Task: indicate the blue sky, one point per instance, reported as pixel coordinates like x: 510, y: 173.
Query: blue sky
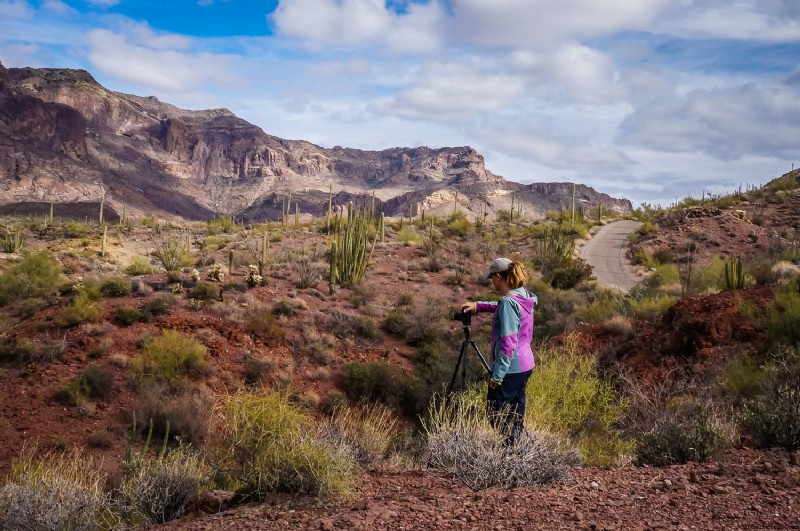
x: 646, y: 99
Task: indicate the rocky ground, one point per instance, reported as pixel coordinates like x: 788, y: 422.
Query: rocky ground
x: 744, y: 489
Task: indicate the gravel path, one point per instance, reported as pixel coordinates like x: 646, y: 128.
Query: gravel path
x: 744, y: 490
x: 605, y: 252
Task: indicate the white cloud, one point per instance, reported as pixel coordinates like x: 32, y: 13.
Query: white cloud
x: 57, y: 6
x: 20, y: 55
x: 158, y: 68
x: 727, y: 123
x: 765, y: 20
x: 321, y: 23
x: 453, y: 92
x: 104, y: 3
x: 15, y: 9
x: 540, y: 23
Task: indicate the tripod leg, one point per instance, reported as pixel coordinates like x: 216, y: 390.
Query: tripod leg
x: 458, y: 364
x: 480, y: 356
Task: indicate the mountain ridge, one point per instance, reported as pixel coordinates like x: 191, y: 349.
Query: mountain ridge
x: 152, y: 156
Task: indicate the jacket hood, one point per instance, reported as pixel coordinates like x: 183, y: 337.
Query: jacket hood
x: 526, y: 299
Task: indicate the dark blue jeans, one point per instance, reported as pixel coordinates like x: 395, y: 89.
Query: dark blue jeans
x: 505, y: 406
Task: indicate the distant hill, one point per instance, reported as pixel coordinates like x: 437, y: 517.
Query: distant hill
x: 67, y: 139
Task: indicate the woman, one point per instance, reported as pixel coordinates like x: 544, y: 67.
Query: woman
x: 511, y: 357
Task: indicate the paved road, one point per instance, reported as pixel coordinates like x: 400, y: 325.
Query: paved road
x: 605, y: 252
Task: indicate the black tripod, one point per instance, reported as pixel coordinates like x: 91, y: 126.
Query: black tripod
x: 466, y: 320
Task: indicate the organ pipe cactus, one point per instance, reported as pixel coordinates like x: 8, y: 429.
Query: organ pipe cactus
x: 333, y: 274
x: 734, y: 273
x: 352, y: 240
x: 14, y: 242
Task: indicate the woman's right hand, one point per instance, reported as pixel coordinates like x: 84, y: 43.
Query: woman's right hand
x: 469, y: 307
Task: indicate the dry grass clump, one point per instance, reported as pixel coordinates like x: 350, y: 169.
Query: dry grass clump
x: 59, y: 491
x: 620, y: 325
x: 184, y: 410
x: 460, y: 440
x: 156, y: 490
x: 266, y: 443
x: 365, y: 432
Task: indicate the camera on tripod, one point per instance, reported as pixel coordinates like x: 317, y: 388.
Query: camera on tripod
x: 464, y: 317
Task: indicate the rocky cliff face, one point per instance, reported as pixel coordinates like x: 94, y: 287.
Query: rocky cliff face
x: 67, y: 138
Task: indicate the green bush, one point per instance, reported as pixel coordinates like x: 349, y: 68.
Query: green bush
x: 366, y: 327
x: 604, y: 306
x: 127, y: 315
x: 408, y: 236
x: 37, y: 275
x: 570, y: 273
x: 97, y: 381
x: 267, y: 444
x: 116, y: 287
x: 204, y: 291
x: 75, y: 229
x: 139, y: 266
x: 363, y: 293
x: 664, y: 275
x: 379, y: 381
x: 782, y: 317
x: 265, y: 326
x: 689, y: 431
x: 743, y: 378
x: 650, y: 306
x: 567, y: 396
x: 157, y: 306
x: 772, y: 416
x: 84, y: 308
x: 169, y: 357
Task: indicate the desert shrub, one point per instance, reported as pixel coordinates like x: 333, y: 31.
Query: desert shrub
x: 266, y: 443
x: 408, y: 236
x: 641, y: 256
x: 100, y: 439
x: 36, y: 275
x: 664, y: 255
x: 126, y: 315
x: 460, y: 440
x: 709, y: 278
x: 75, y: 229
x: 215, y: 273
x: 379, y: 381
x: 309, y: 267
x: 265, y: 326
x: 363, y: 293
x: 172, y: 251
x: 116, y: 287
x: 149, y: 221
x: 664, y: 275
x: 366, y: 327
x: 255, y: 369
x: 567, y: 396
x: 333, y: 401
x: 405, y: 299
x: 604, y: 306
x: 139, y: 266
x: 177, y: 411
x: 427, y: 320
x: 459, y: 227
x: 59, y: 491
x: 743, y: 377
x: 84, y: 308
x: 570, y: 273
x: 22, y: 350
x: 157, y: 306
x: 97, y: 381
x: 620, y: 325
x: 70, y: 393
x: 781, y: 319
x: 688, y: 431
x: 169, y: 357
x: 204, y: 291
x: 283, y: 307
x: 396, y: 322
x: 650, y: 306
x: 157, y: 490
x: 772, y: 415
x: 364, y: 432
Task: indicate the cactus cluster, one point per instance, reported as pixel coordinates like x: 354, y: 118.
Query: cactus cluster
x: 734, y: 273
x: 349, y: 258
x: 14, y: 242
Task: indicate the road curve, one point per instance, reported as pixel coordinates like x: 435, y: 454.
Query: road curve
x: 605, y: 252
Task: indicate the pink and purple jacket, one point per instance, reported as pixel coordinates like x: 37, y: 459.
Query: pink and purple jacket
x: 512, y: 332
